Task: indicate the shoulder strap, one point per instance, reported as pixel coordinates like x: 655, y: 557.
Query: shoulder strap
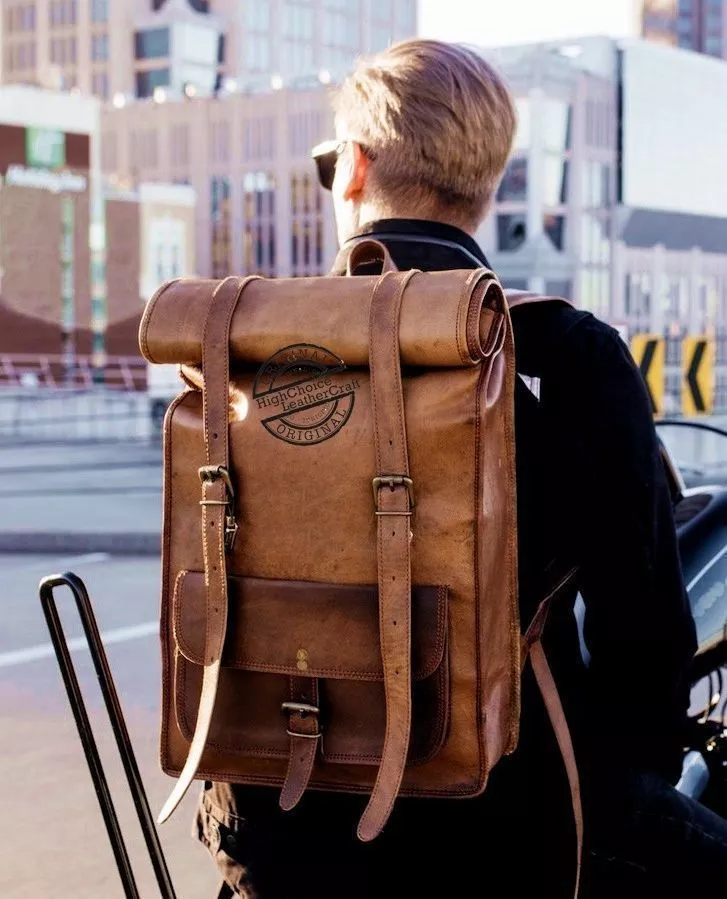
x: 218, y: 515
x: 394, y: 501
x: 532, y: 648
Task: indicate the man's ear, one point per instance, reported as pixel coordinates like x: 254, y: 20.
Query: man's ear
x: 359, y: 174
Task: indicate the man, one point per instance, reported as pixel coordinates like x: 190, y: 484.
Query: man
x: 423, y: 134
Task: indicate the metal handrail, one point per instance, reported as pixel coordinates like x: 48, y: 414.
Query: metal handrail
x: 123, y: 742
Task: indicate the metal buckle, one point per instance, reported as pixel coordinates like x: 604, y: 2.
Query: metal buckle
x: 303, y: 709
x: 208, y: 474
x: 212, y: 473
x: 393, y: 480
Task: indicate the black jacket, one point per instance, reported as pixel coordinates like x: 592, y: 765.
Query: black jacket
x: 591, y: 492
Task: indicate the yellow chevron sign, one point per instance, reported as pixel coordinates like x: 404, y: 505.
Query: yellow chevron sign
x: 649, y: 352
x: 698, y: 370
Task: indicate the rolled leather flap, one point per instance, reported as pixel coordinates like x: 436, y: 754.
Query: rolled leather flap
x: 448, y: 319
x: 307, y: 629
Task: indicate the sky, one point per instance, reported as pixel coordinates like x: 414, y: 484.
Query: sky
x: 492, y: 23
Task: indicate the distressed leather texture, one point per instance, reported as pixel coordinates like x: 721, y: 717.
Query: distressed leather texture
x: 371, y: 634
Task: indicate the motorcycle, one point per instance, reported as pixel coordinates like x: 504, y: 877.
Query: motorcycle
x: 695, y: 456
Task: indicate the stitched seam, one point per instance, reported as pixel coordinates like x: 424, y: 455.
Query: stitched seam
x: 247, y: 664
x: 473, y: 315
x: 177, y: 610
x: 482, y: 761
x: 164, y: 603
x: 514, y: 642
x: 187, y: 731
x: 330, y: 785
x: 146, y: 320
x: 464, y: 298
x: 393, y: 358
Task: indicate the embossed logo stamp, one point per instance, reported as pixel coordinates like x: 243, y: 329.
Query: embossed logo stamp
x: 305, y: 394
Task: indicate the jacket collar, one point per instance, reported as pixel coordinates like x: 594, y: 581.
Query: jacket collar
x: 420, y: 230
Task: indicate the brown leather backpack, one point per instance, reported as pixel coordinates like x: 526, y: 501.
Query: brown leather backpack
x: 339, y: 589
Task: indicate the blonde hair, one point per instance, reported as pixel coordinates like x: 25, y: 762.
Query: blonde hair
x: 439, y: 123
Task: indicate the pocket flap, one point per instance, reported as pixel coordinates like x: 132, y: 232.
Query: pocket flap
x: 307, y: 629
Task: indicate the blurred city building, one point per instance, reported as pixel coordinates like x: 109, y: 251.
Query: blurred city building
x: 124, y: 49
x: 77, y: 256
x: 699, y: 25
x: 616, y: 195
x: 259, y: 206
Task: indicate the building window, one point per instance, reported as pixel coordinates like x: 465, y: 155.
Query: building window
x: 152, y: 44
x: 304, y: 131
x: 144, y: 150
x: 511, y: 232
x: 257, y: 15
x: 514, y: 185
x: 99, y: 47
x: 713, y: 45
x: 596, y: 185
x: 146, y: 82
x: 221, y: 227
x: 522, y: 136
x: 258, y: 139
x: 258, y: 52
x: 100, y: 85
x: 28, y: 17
x: 557, y: 117
x: 99, y: 10
x: 179, y: 145
x: 555, y: 188
x: 258, y: 213
x: 554, y: 227
x: 219, y: 137
x: 306, y: 249
x: 298, y: 21
x: 595, y: 241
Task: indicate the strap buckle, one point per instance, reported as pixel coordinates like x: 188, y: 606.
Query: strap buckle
x: 392, y: 481
x: 209, y: 474
x: 304, y: 710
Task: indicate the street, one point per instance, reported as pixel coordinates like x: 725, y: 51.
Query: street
x: 52, y: 838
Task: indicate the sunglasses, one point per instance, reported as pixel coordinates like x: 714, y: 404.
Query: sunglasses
x: 326, y: 157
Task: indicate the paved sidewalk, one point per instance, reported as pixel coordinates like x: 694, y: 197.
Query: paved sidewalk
x: 81, y: 498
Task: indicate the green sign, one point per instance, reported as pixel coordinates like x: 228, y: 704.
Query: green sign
x: 45, y: 148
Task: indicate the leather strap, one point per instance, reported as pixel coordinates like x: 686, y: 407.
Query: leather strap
x: 305, y: 734
x: 554, y: 707
x: 218, y: 525
x: 393, y: 497
x: 533, y: 649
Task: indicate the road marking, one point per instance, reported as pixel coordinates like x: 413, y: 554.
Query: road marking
x: 707, y: 567
x: 45, y: 650
x: 88, y: 559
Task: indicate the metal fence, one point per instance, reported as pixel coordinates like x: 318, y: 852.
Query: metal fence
x: 55, y: 371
